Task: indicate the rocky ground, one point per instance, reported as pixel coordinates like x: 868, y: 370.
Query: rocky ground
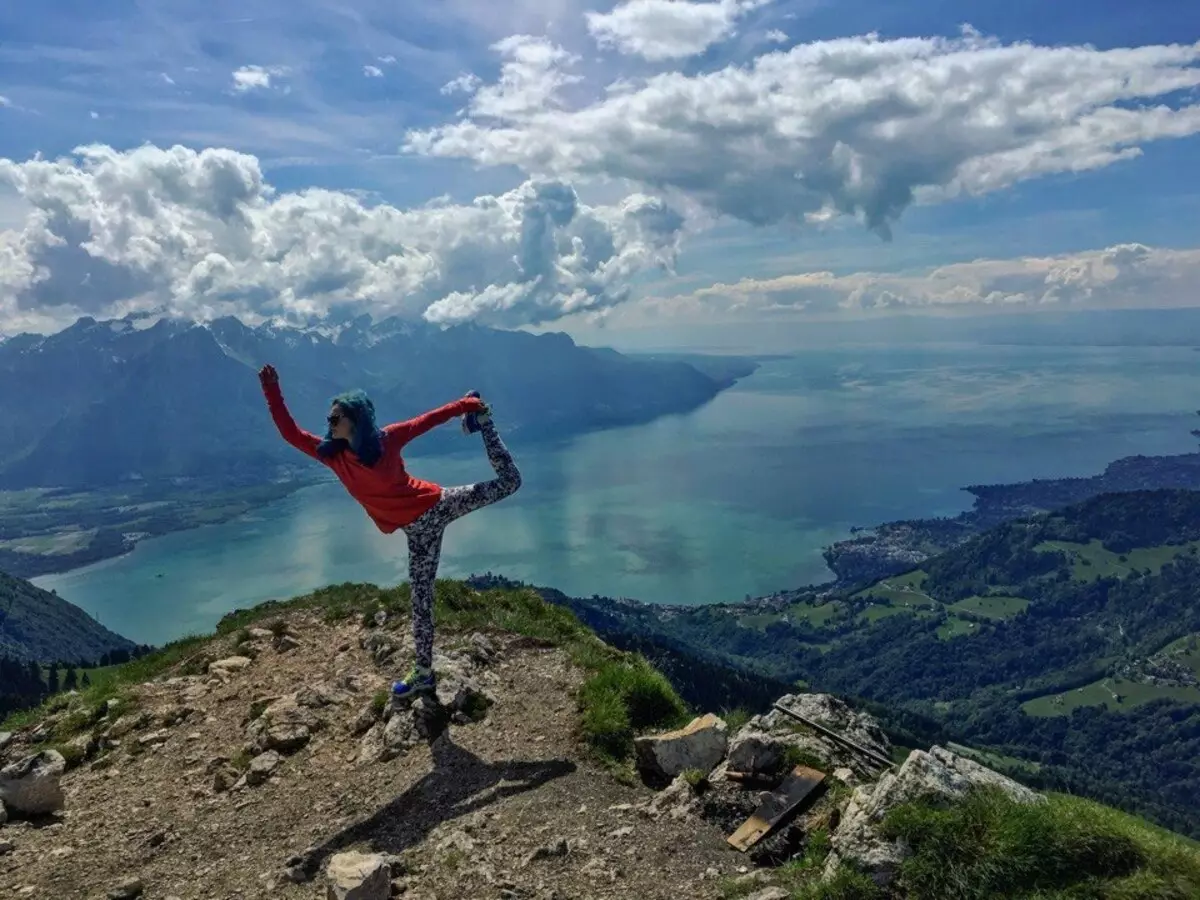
x: 273, y: 764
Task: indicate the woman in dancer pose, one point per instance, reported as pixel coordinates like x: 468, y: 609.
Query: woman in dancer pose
x: 367, y: 460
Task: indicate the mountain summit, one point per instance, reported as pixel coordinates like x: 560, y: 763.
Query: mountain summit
x: 269, y: 760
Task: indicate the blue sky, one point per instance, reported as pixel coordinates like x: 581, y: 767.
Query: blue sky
x: 331, y: 91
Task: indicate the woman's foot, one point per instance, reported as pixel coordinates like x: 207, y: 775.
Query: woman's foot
x: 472, y: 422
x: 419, y: 680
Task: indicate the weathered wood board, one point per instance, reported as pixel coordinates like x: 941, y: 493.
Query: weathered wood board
x: 783, y: 803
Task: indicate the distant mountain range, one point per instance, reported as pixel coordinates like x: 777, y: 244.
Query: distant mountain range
x: 39, y: 625
x: 149, y: 398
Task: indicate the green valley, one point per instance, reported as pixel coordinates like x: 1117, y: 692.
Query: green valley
x: 1065, y: 647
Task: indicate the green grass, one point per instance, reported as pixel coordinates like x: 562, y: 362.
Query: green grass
x: 1105, y: 692
x: 1091, y: 561
x: 955, y: 627
x: 110, y: 683
x: 988, y: 846
x: 903, y: 590
x: 873, y: 614
x: 993, y: 606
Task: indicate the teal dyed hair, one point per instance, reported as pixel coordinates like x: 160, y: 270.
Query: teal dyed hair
x: 367, y: 442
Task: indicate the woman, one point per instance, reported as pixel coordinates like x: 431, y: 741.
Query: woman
x: 366, y: 459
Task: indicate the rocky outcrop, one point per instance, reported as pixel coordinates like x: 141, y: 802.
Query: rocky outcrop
x: 937, y: 775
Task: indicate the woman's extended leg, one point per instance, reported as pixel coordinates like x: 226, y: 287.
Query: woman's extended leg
x: 458, y: 501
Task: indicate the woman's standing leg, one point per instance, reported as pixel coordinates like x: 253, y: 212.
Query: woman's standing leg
x: 424, y: 554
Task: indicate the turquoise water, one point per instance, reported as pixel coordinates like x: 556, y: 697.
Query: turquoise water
x: 736, y: 498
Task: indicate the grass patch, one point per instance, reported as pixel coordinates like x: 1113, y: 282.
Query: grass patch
x: 988, y: 846
x: 873, y: 614
x: 993, y: 606
x: 1091, y: 561
x: 735, y: 719
x: 955, y: 627
x: 1115, y: 694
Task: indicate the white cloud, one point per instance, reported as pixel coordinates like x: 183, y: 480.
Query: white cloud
x: 373, y: 71
x: 387, y: 60
x: 93, y: 115
x: 854, y: 126
x: 167, y: 79
x: 531, y: 80
x: 466, y: 83
x: 4, y: 101
x: 776, y: 36
x: 108, y: 232
x: 1125, y: 275
x: 667, y: 29
x: 249, y: 78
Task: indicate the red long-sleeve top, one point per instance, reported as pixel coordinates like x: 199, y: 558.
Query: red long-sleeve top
x: 391, y: 497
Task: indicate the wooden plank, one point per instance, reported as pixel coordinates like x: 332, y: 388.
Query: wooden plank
x: 877, y: 758
x: 777, y: 809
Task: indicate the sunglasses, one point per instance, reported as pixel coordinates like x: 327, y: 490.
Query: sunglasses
x: 334, y: 418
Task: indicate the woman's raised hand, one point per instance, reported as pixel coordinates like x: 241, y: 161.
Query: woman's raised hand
x: 268, y: 375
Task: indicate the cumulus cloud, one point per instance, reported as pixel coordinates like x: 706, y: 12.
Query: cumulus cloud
x: 531, y: 81
x: 4, y: 101
x: 776, y: 36
x: 1125, y: 275
x: 667, y: 29
x: 373, y: 71
x: 109, y: 232
x: 249, y: 78
x: 856, y: 126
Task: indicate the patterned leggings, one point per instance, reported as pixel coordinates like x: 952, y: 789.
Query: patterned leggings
x: 425, y: 534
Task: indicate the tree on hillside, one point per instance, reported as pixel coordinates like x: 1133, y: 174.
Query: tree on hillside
x: 52, y: 682
x: 85, y: 681
x: 71, y: 682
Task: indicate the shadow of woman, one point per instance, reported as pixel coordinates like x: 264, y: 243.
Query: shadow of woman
x: 458, y: 784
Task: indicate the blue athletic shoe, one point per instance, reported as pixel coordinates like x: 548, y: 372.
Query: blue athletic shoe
x: 473, y: 421
x: 419, y: 680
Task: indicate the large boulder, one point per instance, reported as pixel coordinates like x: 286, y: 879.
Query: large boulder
x: 938, y: 775
x: 359, y: 876
x: 31, y: 785
x: 700, y: 744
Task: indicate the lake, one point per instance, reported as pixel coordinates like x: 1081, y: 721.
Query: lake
x: 736, y: 498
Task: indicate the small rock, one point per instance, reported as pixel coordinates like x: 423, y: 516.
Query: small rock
x: 229, y: 665
x: 286, y: 642
x: 261, y: 634
x: 625, y: 831
x: 381, y: 618
x: 127, y: 890
x: 358, y: 876
x: 5, y: 847
x: 558, y: 848
x: 263, y: 767
x: 771, y: 893
x: 31, y: 785
x: 5, y: 739
x: 844, y: 775
x: 224, y: 779
x: 154, y: 737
